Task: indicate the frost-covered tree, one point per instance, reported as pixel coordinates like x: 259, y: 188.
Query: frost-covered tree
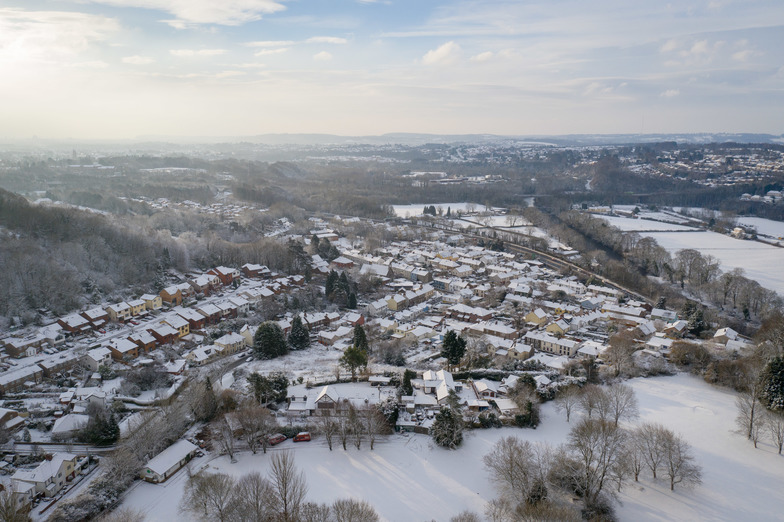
x: 772, y: 384
x: 453, y: 349
x: 678, y: 461
x: 360, y: 338
x: 269, y: 342
x: 567, y: 398
x: 299, y: 336
x: 447, y: 428
x: 208, y: 497
x: 288, y: 485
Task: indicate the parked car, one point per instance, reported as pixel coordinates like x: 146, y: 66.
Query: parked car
x: 277, y: 438
x: 302, y: 436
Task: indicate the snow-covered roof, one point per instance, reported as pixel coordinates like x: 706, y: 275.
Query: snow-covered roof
x: 169, y: 457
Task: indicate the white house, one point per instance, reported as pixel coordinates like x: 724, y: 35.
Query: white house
x: 167, y: 462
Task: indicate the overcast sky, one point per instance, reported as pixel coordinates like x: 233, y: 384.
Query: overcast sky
x: 124, y: 68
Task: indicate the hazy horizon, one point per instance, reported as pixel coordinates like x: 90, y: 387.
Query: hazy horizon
x: 121, y: 69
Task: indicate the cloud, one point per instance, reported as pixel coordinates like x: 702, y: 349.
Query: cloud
x: 670, y: 93
x: 47, y: 36
x: 323, y: 56
x: 93, y: 64
x: 266, y: 52
x: 138, y: 60
x: 482, y: 57
x: 230, y: 74
x: 443, y: 55
x: 194, y: 12
x: 326, y: 39
x: 269, y: 43
x: 197, y: 52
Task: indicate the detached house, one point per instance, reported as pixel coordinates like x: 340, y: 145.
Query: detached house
x: 171, y: 295
x: 226, y: 275
x: 152, y: 302
x: 96, y: 316
x: 167, y: 462
x: 49, y: 477
x: 119, y: 312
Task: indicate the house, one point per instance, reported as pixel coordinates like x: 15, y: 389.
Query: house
x: 677, y: 328
x: 226, y: 275
x: 168, y: 462
x: 97, y: 357
x: 211, y: 313
x: 329, y: 338
x: 231, y: 343
x: 27, y: 347
x: 75, y: 324
x: 123, y: 349
x: 560, y: 327
x: 196, y: 321
x: 664, y: 315
x: 201, y: 355
x: 377, y: 308
x: 342, y: 263
x: 247, y: 334
x: 50, y: 476
x: 547, y: 343
x: 144, y: 340
x: 252, y: 271
x: 723, y: 335
x: 241, y: 304
x: 438, y: 383
x: 205, y: 284
x: 537, y: 317
x: 119, y: 312
x: 227, y: 309
x: 485, y: 389
x: 354, y: 319
x: 171, y: 295
x: 164, y: 334
x: 152, y: 301
x: 58, y: 363
x: 182, y: 326
x: 138, y: 307
x: 15, y: 380
x: 96, y: 316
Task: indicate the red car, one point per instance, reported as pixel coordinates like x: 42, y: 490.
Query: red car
x: 302, y: 436
x: 276, y: 439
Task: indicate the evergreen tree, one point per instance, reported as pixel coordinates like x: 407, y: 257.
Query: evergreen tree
x: 331, y: 283
x: 299, y: 337
x: 269, y: 342
x: 448, y: 211
x: 696, y: 322
x: 360, y: 338
x: 772, y: 380
x: 453, y: 348
x: 353, y: 359
x: 352, y: 301
x: 447, y: 428
x: 206, y: 406
x: 407, y: 388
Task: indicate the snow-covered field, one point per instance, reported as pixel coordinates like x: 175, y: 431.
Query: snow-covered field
x: 416, y: 210
x: 407, y: 478
x: 759, y: 261
x: 643, y: 225
x: 765, y: 227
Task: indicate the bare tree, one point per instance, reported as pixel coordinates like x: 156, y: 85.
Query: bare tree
x: 774, y: 425
x: 312, y: 512
x: 649, y: 436
x: 568, y: 397
x: 594, y: 401
x: 749, y: 417
x: 225, y: 437
x: 329, y: 428
x: 208, y: 496
x: 124, y: 514
x: 288, y: 485
x: 622, y: 403
x: 679, y: 463
x: 466, y: 516
x: 619, y: 353
x: 374, y: 424
x: 11, y: 509
x: 256, y: 423
x: 343, y: 426
x: 510, y: 464
x: 350, y: 510
x: 597, y: 445
x: 252, y: 498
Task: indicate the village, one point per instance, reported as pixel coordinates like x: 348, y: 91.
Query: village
x: 518, y: 317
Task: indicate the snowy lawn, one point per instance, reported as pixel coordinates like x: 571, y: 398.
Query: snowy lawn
x: 405, y: 211
x: 407, y: 478
x: 760, y: 262
x: 643, y: 225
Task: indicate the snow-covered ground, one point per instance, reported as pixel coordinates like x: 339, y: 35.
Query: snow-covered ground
x: 643, y: 225
x: 759, y: 261
x: 416, y: 210
x: 408, y: 478
x: 765, y: 227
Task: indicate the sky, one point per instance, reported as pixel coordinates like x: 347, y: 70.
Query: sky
x: 120, y: 69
